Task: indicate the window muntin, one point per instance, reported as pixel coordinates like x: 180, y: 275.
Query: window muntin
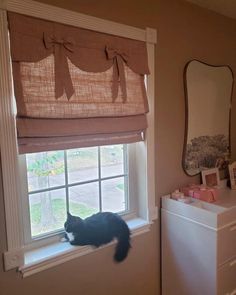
x: 83, y: 181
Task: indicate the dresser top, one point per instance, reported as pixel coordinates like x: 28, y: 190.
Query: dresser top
x: 215, y: 215
x: 226, y: 198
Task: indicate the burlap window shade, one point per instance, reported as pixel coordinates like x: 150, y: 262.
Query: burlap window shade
x: 75, y: 87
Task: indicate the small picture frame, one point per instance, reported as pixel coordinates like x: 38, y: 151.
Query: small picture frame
x: 232, y: 175
x: 211, y: 177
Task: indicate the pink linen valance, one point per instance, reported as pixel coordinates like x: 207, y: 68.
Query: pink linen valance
x: 63, y: 74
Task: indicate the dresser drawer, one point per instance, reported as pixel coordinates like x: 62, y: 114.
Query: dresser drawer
x: 226, y: 243
x: 227, y: 278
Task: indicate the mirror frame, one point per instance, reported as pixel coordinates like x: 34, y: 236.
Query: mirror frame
x: 187, y: 110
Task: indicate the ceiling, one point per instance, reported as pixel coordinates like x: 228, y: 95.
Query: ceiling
x: 225, y: 7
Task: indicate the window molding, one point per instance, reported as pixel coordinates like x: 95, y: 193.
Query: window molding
x: 43, y: 258
x: 69, y: 17
x: 29, y: 238
x: 14, y: 256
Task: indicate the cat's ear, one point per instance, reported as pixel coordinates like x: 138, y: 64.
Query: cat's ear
x: 69, y: 215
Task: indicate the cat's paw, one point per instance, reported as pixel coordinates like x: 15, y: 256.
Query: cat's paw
x: 96, y: 245
x: 63, y: 240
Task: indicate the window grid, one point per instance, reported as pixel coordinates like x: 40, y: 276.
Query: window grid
x: 77, y: 183
x: 99, y: 177
x: 66, y: 181
x: 126, y: 180
x: 98, y: 180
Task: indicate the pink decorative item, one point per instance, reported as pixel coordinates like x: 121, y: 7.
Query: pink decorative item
x: 201, y: 192
x: 177, y: 194
x: 189, y: 190
x: 205, y: 195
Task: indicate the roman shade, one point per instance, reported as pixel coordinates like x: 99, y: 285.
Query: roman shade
x: 75, y: 87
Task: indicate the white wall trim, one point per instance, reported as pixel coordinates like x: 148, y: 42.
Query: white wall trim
x: 52, y: 13
x: 10, y: 173
x: 153, y: 210
x: 13, y: 256
x: 71, y: 252
x: 151, y: 35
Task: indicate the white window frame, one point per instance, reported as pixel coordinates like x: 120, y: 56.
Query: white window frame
x: 130, y: 199
x: 16, y: 255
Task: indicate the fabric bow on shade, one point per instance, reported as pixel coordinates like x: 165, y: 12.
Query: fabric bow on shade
x: 118, y: 72
x: 92, y: 117
x: 62, y: 74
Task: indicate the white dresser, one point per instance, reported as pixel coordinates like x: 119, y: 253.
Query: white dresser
x: 199, y: 246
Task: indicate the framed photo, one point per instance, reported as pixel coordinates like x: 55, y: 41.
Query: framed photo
x: 211, y: 177
x: 232, y: 175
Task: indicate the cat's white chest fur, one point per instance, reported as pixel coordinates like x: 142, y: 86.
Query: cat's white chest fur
x: 70, y: 236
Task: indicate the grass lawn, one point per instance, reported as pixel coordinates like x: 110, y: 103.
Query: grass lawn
x: 59, y: 213
x: 121, y: 186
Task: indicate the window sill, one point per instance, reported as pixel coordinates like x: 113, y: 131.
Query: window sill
x: 54, y: 254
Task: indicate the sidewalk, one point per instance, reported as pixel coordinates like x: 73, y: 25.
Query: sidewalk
x: 113, y: 198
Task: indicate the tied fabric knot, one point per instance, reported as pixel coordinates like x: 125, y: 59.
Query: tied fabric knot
x: 118, y: 71
x: 62, y: 74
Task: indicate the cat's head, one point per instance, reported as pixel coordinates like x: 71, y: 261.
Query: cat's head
x: 72, y: 223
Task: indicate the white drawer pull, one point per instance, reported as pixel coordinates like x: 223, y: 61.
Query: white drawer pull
x: 233, y: 228
x: 232, y: 264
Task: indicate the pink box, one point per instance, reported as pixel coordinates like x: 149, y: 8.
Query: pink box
x: 189, y: 190
x: 200, y: 192
x: 206, y: 195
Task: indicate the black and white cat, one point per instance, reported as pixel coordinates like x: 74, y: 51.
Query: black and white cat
x: 99, y: 229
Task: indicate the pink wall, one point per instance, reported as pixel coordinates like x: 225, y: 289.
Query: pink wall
x: 184, y: 32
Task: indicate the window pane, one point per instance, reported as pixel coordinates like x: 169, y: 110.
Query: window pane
x: 45, y: 170
x: 84, y: 199
x: 82, y: 164
x: 47, y: 211
x: 112, y: 160
x: 48, y: 169
x: 113, y: 195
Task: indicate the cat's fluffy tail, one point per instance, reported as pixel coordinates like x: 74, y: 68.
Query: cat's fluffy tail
x: 123, y: 245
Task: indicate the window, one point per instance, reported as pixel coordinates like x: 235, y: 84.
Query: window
x: 83, y: 181
x: 138, y: 167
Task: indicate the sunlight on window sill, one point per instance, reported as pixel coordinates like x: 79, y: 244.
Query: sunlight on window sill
x: 54, y: 254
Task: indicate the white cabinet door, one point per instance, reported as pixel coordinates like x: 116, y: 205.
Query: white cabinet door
x: 188, y: 257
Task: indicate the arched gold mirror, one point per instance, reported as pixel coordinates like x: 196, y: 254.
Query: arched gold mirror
x: 208, y: 93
